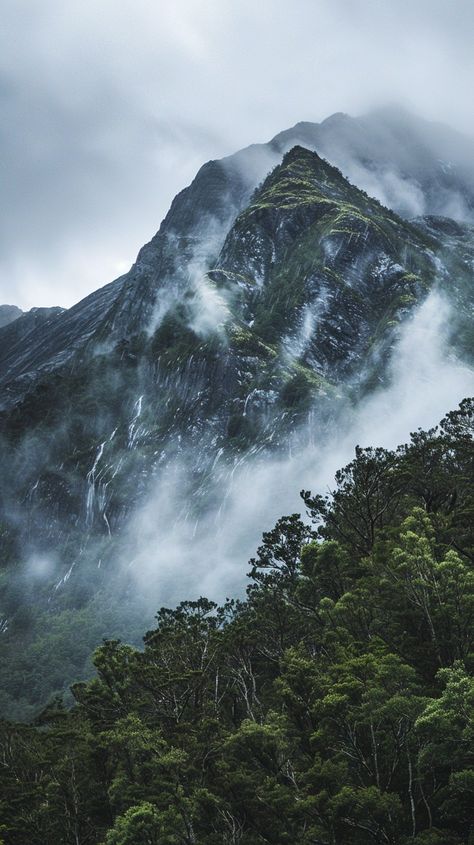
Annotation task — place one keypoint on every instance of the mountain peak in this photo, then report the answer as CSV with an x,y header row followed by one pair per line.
x,y
243,326
303,177
335,119
299,152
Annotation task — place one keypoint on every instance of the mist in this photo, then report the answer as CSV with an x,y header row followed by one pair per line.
x,y
174,551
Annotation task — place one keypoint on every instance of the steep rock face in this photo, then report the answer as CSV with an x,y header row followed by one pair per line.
x,y
414,167
322,266
224,339
190,235
252,310
21,345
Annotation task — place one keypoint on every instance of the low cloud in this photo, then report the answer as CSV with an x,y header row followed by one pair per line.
x,y
173,549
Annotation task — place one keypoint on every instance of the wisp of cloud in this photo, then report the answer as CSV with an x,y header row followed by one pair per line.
x,y
174,550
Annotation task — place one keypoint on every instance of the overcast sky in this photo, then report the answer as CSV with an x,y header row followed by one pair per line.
x,y
110,106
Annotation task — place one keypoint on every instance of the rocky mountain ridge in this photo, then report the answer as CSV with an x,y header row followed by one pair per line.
x,y
258,309
232,324
388,144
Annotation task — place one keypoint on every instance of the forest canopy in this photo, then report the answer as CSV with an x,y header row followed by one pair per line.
x,y
333,706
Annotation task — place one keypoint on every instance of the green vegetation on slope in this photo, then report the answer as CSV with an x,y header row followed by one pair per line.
x,y
308,236
333,707
317,277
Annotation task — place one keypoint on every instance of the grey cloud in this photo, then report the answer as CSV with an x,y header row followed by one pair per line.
x,y
109,109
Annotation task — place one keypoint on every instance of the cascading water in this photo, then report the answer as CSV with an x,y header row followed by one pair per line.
x,y
134,429
91,489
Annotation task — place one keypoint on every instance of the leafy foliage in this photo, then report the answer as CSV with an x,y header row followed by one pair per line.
x,y
333,707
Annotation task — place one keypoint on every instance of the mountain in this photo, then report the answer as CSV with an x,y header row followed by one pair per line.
x,y
267,303
18,339
413,166
8,313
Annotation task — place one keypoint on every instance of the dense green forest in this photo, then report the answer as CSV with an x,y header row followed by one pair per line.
x,y
334,706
